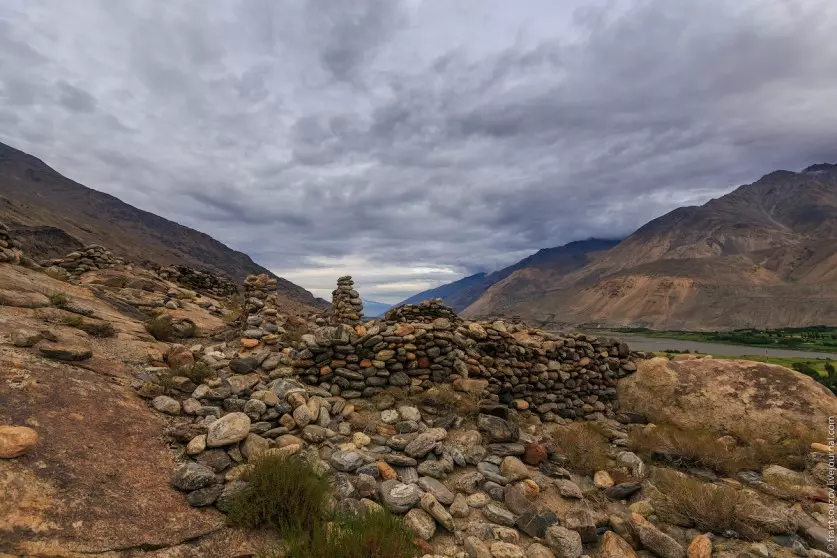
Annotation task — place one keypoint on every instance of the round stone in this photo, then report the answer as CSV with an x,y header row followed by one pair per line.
x,y
166,404
16,441
227,430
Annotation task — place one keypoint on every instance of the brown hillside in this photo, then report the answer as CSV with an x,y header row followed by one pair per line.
x,y
761,256
52,215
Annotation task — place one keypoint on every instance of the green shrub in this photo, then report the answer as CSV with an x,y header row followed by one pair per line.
x,y
197,372
59,299
160,328
374,533
282,492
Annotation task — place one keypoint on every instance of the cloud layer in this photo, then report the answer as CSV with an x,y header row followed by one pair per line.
x,y
410,142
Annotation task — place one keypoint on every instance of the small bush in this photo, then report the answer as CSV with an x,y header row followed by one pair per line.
x,y
376,534
197,372
160,328
73,321
585,447
283,492
187,330
711,507
696,447
98,329
59,299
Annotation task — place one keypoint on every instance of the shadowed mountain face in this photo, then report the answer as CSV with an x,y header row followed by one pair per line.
x,y
52,215
762,256
563,259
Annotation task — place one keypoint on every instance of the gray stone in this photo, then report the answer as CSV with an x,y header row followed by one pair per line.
x,y
346,461
204,496
165,404
513,469
459,507
192,476
497,429
496,513
437,489
431,505
563,542
229,429
421,523
399,497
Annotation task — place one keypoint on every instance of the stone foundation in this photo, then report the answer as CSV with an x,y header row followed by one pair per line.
x,y
88,258
9,247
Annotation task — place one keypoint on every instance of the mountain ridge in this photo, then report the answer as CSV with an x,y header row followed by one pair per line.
x,y
37,202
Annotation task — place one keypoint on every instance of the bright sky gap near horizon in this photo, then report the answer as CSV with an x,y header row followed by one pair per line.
x,y
409,143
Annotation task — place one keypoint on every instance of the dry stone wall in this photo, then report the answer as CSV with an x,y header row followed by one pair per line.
x,y
198,280
89,258
9,247
553,376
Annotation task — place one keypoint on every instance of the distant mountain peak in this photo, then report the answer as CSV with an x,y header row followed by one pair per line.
x,y
820,167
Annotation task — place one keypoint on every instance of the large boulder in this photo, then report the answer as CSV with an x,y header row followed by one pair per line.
x,y
724,394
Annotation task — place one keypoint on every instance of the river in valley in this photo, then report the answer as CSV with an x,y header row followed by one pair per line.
x,y
638,342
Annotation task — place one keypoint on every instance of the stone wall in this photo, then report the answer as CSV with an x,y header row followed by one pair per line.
x,y
89,258
9,247
346,306
198,280
553,376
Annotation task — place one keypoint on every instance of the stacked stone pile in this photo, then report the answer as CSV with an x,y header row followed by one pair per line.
x,y
260,323
552,376
9,247
89,258
346,306
198,280
424,312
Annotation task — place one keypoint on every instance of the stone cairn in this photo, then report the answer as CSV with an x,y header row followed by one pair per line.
x,y
89,258
9,247
198,280
259,319
346,306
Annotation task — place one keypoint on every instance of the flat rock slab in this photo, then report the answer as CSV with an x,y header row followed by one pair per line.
x,y
66,352
99,478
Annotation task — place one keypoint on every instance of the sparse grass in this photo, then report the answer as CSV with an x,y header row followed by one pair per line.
x,y
446,399
366,422
701,448
294,331
284,493
98,329
375,533
584,445
711,507
60,299
189,331
197,372
160,328
73,321
166,381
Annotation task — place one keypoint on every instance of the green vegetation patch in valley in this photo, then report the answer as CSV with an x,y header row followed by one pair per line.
x,y
814,338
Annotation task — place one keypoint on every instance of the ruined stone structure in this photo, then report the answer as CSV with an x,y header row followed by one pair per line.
x,y
346,306
9,247
88,258
198,280
553,376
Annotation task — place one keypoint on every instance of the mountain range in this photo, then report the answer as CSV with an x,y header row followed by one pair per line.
x,y
764,255
52,215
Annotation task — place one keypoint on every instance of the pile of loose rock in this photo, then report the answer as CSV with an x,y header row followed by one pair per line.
x,y
424,312
9,247
89,258
204,281
346,305
260,313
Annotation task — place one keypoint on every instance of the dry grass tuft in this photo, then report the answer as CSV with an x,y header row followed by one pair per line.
x,y
446,399
702,448
198,372
584,445
60,299
710,507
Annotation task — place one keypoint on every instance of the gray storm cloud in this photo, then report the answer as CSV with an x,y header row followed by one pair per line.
x,y
409,143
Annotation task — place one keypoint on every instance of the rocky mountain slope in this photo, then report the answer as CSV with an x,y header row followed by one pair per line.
x,y
761,256
560,260
51,215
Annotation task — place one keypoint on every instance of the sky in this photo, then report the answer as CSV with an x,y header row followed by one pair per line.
x,y
412,142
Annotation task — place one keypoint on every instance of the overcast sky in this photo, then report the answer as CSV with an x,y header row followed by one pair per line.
x,y
411,142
